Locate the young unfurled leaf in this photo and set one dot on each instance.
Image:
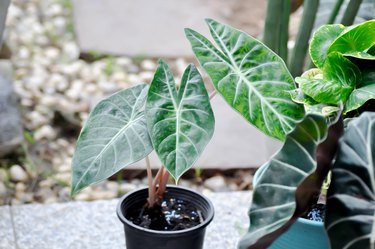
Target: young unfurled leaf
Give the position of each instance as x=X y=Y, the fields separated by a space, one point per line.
x=340 y=77
x=321 y=40
x=350 y=213
x=114 y=136
x=250 y=77
x=180 y=122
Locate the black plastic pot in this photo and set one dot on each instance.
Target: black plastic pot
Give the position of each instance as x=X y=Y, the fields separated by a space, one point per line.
x=141 y=238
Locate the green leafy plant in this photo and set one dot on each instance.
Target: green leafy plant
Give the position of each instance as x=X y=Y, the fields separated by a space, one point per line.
x=126 y=126
x=254 y=80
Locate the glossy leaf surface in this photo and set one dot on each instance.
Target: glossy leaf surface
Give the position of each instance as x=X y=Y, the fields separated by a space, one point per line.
x=350 y=211
x=321 y=41
x=364 y=92
x=180 y=123
x=356 y=39
x=114 y=136
x=250 y=77
x=340 y=77
x=274 y=194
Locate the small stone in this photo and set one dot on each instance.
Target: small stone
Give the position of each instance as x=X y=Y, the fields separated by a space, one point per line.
x=64 y=177
x=25 y=197
x=45 y=132
x=82 y=197
x=148 y=65
x=133 y=68
x=52 y=53
x=65 y=168
x=71 y=50
x=123 y=61
x=112 y=186
x=3 y=175
x=47 y=183
x=3 y=189
x=134 y=79
x=20 y=187
x=50 y=200
x=216 y=183
x=103 y=195
x=146 y=76
x=118 y=77
x=18 y=174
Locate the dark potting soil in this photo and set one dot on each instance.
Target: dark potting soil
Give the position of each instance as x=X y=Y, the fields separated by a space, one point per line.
x=171 y=215
x=316 y=213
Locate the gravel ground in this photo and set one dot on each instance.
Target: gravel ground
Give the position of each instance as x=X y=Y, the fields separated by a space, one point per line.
x=57 y=89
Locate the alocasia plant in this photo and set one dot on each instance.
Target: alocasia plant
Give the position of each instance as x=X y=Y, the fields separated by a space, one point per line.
x=254 y=81
x=126 y=126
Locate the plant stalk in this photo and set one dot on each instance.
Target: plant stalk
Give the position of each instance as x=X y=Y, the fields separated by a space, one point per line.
x=284 y=30
x=272 y=25
x=151 y=188
x=350 y=12
x=310 y=8
x=335 y=11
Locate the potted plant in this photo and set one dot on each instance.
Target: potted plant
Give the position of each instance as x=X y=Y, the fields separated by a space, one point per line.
x=124 y=128
x=306 y=114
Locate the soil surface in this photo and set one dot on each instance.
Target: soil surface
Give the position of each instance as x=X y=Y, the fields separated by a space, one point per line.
x=171 y=215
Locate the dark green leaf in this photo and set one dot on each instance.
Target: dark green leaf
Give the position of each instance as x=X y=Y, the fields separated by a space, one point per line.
x=250 y=77
x=114 y=136
x=286 y=182
x=363 y=93
x=180 y=123
x=321 y=40
x=351 y=196
x=356 y=39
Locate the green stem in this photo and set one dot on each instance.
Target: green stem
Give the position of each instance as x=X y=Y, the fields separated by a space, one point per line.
x=310 y=8
x=272 y=25
x=284 y=30
x=335 y=11
x=350 y=12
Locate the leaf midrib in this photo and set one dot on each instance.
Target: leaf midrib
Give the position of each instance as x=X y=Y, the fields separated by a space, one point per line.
x=243 y=78
x=114 y=138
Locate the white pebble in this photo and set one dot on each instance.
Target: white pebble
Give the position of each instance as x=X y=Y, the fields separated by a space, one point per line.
x=18 y=174
x=45 y=132
x=148 y=65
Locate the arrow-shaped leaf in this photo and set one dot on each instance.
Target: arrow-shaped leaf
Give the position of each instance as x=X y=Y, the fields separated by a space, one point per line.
x=350 y=213
x=250 y=77
x=114 y=136
x=180 y=123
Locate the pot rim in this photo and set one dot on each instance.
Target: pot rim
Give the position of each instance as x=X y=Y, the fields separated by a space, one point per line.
x=206 y=221
x=310 y=222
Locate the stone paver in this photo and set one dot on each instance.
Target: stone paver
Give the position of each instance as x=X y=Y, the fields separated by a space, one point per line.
x=235 y=144
x=94 y=225
x=7 y=240
x=156 y=27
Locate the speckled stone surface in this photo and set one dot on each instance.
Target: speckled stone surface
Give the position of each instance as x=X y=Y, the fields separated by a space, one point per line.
x=6 y=229
x=94 y=225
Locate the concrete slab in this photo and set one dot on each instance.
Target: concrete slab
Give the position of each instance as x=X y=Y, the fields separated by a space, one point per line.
x=156 y=27
x=94 y=225
x=235 y=144
x=7 y=240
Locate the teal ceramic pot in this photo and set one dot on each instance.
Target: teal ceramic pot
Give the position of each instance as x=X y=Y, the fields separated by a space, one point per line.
x=303 y=234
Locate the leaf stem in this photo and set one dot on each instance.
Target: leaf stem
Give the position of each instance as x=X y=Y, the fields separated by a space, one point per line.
x=310 y=8
x=151 y=188
x=350 y=12
x=272 y=25
x=213 y=94
x=163 y=182
x=284 y=30
x=335 y=11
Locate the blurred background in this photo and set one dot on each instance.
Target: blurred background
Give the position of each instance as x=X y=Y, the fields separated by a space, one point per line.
x=58 y=58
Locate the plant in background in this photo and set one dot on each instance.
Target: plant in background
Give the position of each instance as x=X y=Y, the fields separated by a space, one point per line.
x=306 y=114
x=128 y=125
